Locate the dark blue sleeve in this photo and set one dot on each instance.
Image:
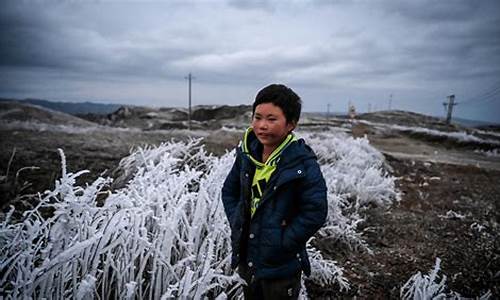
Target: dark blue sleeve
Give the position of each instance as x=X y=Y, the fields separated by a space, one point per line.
x=231 y=190
x=312 y=210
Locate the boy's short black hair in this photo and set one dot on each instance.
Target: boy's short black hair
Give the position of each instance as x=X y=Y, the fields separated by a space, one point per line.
x=283 y=97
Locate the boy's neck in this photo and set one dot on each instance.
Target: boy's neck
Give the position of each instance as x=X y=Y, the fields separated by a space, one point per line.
x=266 y=152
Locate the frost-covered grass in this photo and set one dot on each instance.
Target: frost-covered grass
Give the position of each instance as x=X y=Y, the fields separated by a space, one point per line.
x=356 y=178
x=430 y=286
x=164 y=235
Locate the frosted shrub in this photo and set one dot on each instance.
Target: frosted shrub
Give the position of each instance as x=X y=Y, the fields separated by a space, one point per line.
x=429 y=286
x=420 y=287
x=163 y=235
x=355 y=176
x=39 y=254
x=325 y=272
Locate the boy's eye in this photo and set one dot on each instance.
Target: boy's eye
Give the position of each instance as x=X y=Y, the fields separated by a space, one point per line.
x=272 y=119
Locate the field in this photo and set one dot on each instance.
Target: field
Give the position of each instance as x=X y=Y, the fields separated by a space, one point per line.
x=428 y=196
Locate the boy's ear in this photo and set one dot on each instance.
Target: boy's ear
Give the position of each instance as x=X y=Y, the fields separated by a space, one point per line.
x=290 y=126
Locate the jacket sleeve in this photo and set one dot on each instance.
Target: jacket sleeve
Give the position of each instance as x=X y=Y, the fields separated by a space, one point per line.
x=231 y=190
x=312 y=210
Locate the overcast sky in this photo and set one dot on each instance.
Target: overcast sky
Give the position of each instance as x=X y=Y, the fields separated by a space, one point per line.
x=329 y=52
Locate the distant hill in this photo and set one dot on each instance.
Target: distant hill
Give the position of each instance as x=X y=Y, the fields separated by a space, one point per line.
x=407 y=118
x=74 y=108
x=21 y=111
x=149 y=118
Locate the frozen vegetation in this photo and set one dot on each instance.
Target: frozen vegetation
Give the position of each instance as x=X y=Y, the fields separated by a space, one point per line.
x=430 y=286
x=164 y=234
x=355 y=175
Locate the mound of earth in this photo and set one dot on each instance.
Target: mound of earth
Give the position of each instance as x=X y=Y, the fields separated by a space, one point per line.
x=205 y=113
x=14 y=111
x=202 y=117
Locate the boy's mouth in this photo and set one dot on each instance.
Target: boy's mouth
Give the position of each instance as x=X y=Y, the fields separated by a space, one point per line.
x=263 y=135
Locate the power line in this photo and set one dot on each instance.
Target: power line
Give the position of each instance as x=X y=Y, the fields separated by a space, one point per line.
x=493 y=91
x=492 y=87
x=484 y=99
x=489 y=93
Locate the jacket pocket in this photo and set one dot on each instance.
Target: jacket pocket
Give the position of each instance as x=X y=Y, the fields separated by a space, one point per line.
x=272 y=252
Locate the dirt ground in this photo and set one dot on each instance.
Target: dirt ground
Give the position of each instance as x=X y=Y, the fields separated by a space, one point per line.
x=410 y=235
x=449 y=209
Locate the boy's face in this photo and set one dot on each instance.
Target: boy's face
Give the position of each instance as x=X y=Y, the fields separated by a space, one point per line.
x=270 y=125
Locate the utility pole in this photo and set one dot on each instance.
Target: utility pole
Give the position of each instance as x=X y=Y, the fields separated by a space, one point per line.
x=449 y=104
x=390 y=101
x=189 y=78
x=369 y=107
x=328 y=113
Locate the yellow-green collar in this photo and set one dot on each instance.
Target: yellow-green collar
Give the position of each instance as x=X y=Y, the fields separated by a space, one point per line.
x=272 y=159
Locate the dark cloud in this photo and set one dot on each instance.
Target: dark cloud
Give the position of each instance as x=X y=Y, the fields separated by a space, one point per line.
x=21 y=36
x=435 y=11
x=365 y=48
x=37 y=36
x=252 y=4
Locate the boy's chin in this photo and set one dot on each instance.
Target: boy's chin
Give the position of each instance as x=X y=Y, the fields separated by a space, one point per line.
x=267 y=142
x=263 y=142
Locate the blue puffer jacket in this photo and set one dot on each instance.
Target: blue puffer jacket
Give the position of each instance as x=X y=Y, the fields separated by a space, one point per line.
x=293 y=207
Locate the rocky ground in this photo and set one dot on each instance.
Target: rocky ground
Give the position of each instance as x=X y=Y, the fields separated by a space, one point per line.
x=450 y=205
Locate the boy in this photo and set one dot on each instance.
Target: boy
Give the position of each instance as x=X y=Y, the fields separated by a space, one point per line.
x=274 y=198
